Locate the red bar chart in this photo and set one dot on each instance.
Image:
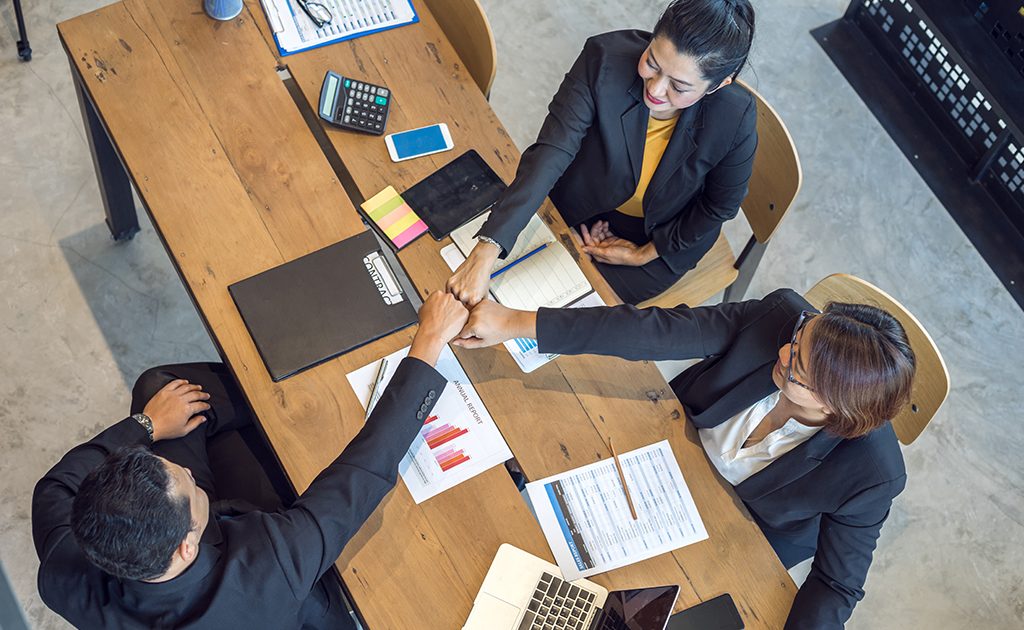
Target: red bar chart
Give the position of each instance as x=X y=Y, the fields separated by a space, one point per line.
x=450 y=458
x=436 y=435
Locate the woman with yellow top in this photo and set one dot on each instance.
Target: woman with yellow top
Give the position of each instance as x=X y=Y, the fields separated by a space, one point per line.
x=647 y=147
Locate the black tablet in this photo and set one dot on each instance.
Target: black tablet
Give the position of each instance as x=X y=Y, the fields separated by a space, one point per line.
x=456 y=193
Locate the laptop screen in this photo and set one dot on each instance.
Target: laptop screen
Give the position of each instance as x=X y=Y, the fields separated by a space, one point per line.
x=638 y=609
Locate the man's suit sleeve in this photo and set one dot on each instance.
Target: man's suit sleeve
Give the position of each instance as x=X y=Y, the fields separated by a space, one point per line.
x=570 y=115
x=308 y=537
x=846 y=541
x=649 y=334
x=725 y=186
x=55 y=492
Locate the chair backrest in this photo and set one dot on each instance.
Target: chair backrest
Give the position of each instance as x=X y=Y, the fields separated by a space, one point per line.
x=931 y=384
x=777 y=174
x=466 y=27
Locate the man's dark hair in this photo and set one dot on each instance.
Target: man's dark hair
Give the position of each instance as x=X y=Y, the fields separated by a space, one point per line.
x=716 y=33
x=125 y=518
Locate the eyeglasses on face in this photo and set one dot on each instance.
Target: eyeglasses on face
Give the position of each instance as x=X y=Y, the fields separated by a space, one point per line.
x=805 y=316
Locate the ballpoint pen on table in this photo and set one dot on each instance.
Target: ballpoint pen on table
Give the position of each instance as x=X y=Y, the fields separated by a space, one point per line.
x=622 y=478
x=375 y=390
x=517 y=261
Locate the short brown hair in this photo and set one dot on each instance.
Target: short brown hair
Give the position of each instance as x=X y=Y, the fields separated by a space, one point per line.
x=861 y=366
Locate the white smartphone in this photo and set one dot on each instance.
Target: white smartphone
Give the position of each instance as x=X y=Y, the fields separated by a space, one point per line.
x=419 y=142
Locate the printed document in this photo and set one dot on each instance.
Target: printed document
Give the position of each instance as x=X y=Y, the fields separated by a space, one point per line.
x=458 y=440
x=294 y=31
x=586 y=519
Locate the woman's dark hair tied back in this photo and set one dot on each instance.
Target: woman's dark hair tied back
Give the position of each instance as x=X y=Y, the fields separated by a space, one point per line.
x=716 y=33
x=861 y=365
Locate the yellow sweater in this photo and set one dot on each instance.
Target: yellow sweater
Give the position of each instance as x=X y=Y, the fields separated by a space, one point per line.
x=658 y=134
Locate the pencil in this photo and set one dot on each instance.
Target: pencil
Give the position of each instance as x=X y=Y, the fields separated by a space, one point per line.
x=376 y=386
x=517 y=261
x=622 y=478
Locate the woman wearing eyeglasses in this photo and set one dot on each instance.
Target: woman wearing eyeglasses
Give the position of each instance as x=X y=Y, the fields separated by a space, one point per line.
x=792 y=407
x=647 y=148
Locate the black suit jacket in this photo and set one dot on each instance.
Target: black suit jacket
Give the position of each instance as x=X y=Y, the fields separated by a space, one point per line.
x=259 y=570
x=828 y=493
x=589 y=154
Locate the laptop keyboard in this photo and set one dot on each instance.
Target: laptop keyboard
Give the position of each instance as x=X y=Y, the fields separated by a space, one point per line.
x=557 y=604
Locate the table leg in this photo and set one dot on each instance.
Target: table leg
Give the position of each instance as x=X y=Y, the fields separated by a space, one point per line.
x=23 y=48
x=115 y=188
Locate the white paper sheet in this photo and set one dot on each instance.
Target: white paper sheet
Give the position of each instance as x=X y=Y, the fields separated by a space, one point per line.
x=295 y=31
x=586 y=518
x=459 y=439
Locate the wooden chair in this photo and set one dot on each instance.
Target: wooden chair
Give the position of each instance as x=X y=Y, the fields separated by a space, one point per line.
x=773 y=186
x=466 y=27
x=931 y=385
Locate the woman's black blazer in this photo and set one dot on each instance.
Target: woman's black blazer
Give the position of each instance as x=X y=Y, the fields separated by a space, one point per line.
x=828 y=493
x=589 y=153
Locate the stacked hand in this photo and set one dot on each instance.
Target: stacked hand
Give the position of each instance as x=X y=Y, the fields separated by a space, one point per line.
x=491 y=323
x=441 y=318
x=472 y=279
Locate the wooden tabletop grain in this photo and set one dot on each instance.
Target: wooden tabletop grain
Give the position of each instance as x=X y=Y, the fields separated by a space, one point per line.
x=235 y=183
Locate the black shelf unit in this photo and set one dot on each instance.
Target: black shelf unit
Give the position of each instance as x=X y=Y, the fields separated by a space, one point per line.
x=945 y=78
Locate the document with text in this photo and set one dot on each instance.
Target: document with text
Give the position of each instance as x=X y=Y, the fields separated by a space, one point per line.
x=586 y=519
x=294 y=31
x=458 y=440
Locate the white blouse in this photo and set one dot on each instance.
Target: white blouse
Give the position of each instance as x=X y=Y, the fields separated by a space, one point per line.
x=724 y=443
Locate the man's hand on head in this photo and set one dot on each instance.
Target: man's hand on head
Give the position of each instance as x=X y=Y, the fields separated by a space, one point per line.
x=175 y=409
x=441 y=318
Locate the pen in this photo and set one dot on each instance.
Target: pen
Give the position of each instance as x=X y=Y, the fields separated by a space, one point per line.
x=622 y=478
x=518 y=260
x=376 y=386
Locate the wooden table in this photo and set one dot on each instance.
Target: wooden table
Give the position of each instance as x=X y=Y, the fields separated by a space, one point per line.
x=235 y=184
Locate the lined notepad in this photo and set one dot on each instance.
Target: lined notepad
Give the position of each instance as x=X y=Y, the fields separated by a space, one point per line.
x=549 y=278
x=392 y=216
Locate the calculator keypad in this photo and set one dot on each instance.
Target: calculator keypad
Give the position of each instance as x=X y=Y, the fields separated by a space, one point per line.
x=363 y=106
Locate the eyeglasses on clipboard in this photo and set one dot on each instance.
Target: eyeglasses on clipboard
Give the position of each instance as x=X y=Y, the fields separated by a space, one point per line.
x=316 y=12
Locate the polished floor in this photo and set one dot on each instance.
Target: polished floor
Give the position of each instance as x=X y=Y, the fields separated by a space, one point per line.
x=82 y=316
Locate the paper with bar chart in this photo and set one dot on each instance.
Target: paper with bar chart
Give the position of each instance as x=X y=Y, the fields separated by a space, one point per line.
x=458 y=439
x=586 y=518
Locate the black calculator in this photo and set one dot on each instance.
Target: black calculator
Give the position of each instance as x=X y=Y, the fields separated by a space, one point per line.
x=354 y=104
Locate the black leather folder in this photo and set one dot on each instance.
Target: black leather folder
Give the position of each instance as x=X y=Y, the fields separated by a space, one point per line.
x=324 y=304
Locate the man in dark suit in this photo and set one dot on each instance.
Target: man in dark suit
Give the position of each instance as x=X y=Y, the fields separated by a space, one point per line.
x=126 y=537
x=827 y=496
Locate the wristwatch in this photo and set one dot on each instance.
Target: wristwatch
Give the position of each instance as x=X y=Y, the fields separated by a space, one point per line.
x=144 y=420
x=487 y=239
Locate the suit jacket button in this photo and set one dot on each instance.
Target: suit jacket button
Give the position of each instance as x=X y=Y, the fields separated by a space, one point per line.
x=423 y=408
x=419 y=415
x=432 y=394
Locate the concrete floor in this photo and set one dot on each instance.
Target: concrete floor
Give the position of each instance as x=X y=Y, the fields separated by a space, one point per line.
x=83 y=316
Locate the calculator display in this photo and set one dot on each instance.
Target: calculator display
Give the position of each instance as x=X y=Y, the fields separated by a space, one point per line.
x=328 y=103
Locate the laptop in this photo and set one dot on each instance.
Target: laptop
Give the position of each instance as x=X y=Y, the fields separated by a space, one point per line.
x=524 y=592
